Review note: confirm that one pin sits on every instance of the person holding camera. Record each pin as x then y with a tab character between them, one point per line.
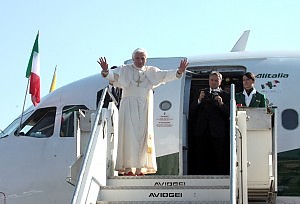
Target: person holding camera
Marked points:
209	140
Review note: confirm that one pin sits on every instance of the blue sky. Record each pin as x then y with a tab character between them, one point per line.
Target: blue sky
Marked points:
73	34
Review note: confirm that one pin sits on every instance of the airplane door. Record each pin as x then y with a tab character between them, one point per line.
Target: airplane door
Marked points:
167	119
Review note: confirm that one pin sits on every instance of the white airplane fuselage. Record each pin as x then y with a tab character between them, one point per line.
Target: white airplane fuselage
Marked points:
36	169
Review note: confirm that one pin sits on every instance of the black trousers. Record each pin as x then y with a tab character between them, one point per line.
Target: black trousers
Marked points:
208	155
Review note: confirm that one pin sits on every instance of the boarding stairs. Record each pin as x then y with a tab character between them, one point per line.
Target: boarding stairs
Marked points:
96	181
165	189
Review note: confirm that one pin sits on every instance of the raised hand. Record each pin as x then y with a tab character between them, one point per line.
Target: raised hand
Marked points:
103	63
183	65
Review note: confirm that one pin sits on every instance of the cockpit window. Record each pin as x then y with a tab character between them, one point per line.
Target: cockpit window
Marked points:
69	119
14	125
40	124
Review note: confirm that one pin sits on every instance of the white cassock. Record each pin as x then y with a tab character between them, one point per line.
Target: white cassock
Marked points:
136	139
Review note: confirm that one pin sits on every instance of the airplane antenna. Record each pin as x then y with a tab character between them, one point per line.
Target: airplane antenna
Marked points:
240	45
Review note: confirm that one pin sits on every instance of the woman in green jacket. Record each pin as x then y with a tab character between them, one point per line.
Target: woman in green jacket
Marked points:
250	97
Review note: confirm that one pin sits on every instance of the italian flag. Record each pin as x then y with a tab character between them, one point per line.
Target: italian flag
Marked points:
33	71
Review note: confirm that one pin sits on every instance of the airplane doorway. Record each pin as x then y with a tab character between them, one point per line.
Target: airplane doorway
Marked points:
196	154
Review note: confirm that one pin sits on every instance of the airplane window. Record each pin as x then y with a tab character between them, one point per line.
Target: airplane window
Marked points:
69	115
40	124
289	119
15	124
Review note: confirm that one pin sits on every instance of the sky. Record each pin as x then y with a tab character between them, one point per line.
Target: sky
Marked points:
74	34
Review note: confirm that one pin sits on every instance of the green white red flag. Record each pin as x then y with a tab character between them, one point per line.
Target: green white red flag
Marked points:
33	71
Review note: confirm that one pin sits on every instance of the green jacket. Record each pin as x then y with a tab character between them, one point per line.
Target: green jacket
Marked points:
258	100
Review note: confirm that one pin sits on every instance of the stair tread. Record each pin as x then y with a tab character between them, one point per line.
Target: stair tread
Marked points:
165	187
166	202
172	177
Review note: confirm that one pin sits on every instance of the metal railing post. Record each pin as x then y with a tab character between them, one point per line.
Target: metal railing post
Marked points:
233	176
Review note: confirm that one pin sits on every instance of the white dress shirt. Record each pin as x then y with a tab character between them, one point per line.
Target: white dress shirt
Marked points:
249	98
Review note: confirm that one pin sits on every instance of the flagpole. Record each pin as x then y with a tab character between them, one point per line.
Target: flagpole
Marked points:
53	82
33	61
19	128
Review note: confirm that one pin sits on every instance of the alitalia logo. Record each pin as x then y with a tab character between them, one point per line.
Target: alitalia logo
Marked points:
272	79
272	75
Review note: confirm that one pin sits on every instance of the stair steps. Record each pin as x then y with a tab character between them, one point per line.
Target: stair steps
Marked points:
165	189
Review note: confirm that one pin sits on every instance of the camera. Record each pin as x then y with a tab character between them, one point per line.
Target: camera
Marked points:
214	94
210	97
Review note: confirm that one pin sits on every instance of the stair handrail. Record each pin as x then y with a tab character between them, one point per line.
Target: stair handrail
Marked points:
77	193
112	97
233	157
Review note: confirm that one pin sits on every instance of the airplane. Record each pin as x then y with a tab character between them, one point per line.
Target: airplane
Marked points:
47	153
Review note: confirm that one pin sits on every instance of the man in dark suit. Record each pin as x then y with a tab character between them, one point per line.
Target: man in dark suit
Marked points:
209	141
250	97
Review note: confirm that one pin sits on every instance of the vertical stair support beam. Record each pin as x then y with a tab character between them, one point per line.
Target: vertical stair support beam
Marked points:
233	177
274	143
87	185
243	157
